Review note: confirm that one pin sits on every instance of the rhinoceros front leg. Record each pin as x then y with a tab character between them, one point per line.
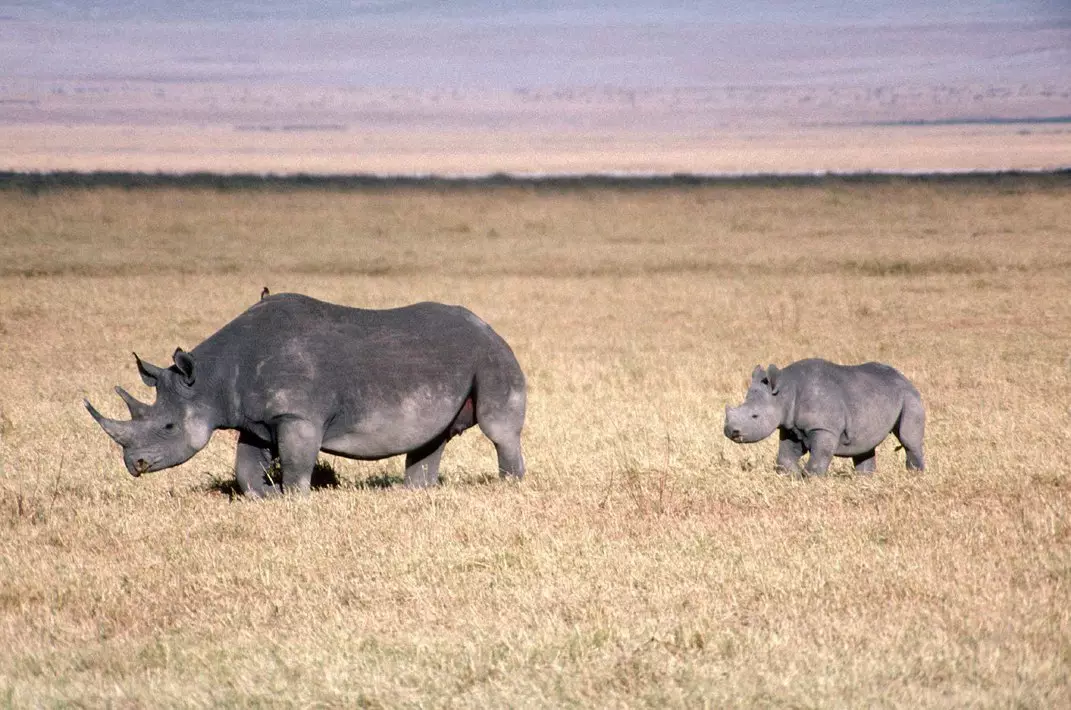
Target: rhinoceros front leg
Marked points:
422	465
298	441
251	463
823	444
789	452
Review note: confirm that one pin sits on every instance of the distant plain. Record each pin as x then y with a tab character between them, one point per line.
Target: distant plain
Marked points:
558	87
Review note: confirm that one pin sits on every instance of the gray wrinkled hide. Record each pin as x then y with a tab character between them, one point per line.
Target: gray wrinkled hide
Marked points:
296	376
830	410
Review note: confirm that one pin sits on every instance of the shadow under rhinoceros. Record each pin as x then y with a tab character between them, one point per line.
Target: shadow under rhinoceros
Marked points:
324	476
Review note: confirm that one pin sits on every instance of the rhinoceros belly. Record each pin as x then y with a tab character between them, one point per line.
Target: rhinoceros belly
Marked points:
858	446
391	429
867	430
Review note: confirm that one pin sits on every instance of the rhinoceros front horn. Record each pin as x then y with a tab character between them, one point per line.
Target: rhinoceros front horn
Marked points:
137	409
120	432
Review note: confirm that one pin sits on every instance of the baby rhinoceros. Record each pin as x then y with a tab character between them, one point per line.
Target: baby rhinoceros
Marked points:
830	410
295	376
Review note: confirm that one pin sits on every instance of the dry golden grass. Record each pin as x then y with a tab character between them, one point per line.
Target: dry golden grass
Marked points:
646	560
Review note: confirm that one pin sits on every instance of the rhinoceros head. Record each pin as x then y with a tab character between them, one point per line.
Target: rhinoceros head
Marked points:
167	432
760	414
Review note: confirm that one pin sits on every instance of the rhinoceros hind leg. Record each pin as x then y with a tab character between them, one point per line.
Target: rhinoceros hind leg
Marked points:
299	442
910	429
503	428
422	465
510	459
500	409
251	463
866	462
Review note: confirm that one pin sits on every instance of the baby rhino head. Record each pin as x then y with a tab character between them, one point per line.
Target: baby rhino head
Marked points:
760	414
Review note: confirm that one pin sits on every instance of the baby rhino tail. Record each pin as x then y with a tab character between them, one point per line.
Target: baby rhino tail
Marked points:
911	428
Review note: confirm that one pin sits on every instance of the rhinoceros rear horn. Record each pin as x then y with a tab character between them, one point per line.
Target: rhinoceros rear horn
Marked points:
150	373
120	432
137	409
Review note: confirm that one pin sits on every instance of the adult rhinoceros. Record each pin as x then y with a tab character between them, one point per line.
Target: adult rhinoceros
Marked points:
296	376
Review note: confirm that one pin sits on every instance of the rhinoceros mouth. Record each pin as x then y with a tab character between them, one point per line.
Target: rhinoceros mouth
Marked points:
734	434
141	466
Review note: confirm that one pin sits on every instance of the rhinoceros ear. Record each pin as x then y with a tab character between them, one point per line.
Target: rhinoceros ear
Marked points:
150	374
184	363
758	374
773	376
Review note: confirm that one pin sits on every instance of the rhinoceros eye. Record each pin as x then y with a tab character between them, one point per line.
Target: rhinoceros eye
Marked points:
169	426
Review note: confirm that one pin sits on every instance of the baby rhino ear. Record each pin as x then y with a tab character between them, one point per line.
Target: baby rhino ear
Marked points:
758	374
184	364
773	374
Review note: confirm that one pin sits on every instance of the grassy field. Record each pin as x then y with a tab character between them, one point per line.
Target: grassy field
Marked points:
645	560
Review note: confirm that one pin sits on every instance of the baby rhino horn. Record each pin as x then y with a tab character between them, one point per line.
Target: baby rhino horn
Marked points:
137	409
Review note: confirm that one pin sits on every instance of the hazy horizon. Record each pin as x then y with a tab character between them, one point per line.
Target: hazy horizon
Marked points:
481	45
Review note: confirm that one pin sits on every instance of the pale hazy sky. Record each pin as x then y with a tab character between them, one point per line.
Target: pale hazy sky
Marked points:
490	45
544	11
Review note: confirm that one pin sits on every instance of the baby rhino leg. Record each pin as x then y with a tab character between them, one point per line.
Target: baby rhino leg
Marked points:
789	452
823	444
